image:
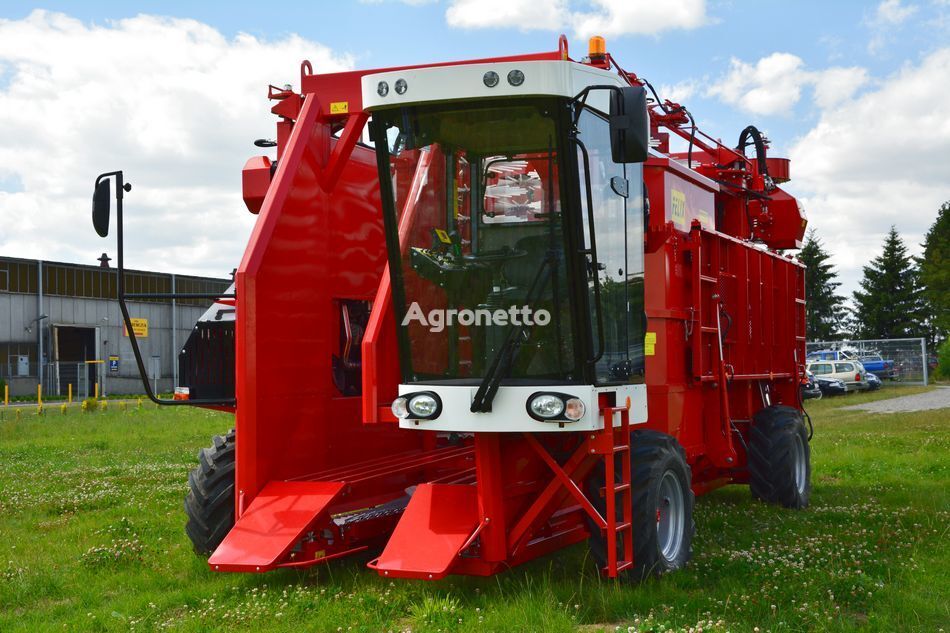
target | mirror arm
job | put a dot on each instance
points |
(122, 187)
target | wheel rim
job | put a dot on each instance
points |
(670, 516)
(800, 466)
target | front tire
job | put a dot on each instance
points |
(209, 504)
(780, 458)
(663, 499)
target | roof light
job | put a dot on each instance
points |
(597, 47)
(401, 86)
(516, 77)
(490, 78)
(382, 89)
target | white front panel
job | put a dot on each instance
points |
(465, 81)
(509, 413)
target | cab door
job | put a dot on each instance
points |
(611, 196)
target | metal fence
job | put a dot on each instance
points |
(909, 356)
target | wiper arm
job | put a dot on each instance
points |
(505, 358)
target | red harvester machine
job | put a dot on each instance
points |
(487, 313)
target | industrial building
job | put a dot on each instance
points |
(60, 325)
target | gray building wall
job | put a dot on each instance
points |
(20, 331)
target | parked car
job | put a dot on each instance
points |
(879, 366)
(872, 361)
(809, 387)
(831, 386)
(850, 372)
(874, 383)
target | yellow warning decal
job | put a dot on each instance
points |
(649, 344)
(339, 107)
(443, 236)
(678, 207)
(705, 220)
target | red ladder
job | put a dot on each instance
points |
(612, 489)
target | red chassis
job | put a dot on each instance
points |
(322, 473)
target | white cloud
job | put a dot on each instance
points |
(173, 102)
(773, 85)
(679, 92)
(877, 160)
(524, 15)
(639, 17)
(604, 17)
(893, 12)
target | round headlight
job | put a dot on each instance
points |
(423, 405)
(547, 406)
(575, 409)
(401, 86)
(516, 77)
(382, 89)
(400, 410)
(490, 78)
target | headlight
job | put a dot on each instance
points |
(555, 407)
(515, 77)
(382, 89)
(401, 86)
(490, 79)
(422, 405)
(547, 406)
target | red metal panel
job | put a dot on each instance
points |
(272, 524)
(435, 526)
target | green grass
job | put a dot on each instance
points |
(91, 518)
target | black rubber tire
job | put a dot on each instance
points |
(652, 455)
(209, 503)
(772, 455)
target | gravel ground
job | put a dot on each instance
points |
(939, 398)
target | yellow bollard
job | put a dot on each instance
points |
(97, 391)
(70, 394)
(39, 395)
(6, 395)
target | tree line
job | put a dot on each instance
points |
(900, 296)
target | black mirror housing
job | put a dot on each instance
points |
(629, 125)
(101, 206)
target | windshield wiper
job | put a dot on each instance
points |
(517, 335)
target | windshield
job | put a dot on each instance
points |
(477, 195)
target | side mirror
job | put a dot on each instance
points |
(629, 125)
(101, 206)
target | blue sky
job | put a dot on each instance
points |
(800, 71)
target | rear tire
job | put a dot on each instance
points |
(209, 504)
(660, 484)
(780, 458)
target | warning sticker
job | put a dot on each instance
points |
(443, 236)
(649, 344)
(678, 208)
(339, 107)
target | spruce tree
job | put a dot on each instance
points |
(934, 267)
(888, 304)
(824, 306)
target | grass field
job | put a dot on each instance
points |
(91, 522)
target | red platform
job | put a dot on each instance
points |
(272, 524)
(437, 523)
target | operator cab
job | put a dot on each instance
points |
(514, 221)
